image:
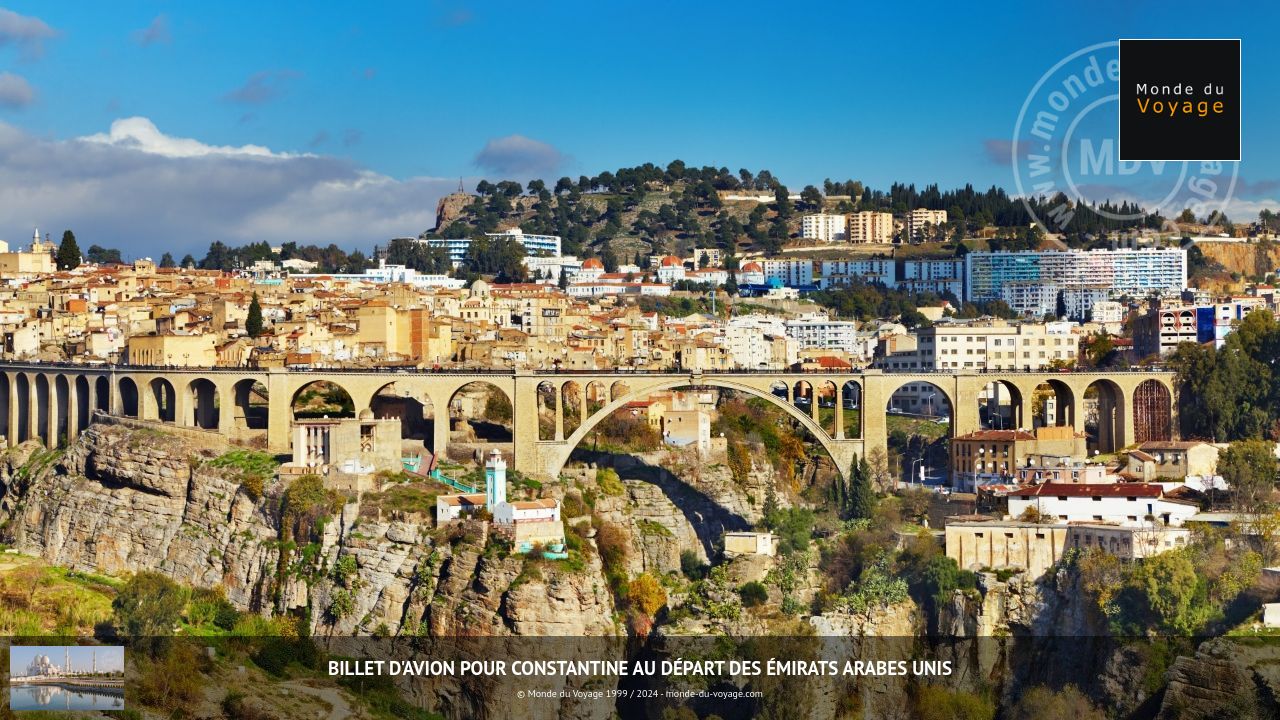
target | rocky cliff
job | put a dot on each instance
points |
(122, 500)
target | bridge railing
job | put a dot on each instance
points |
(507, 372)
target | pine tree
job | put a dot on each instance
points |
(862, 499)
(253, 323)
(68, 257)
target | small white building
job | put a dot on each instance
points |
(527, 522)
(454, 507)
(750, 543)
(1126, 504)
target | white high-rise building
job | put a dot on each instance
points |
(823, 227)
(1078, 273)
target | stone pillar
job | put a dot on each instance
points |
(1025, 411)
(227, 409)
(440, 425)
(51, 417)
(582, 405)
(279, 415)
(839, 411)
(148, 409)
(184, 405)
(33, 409)
(73, 411)
(528, 454)
(559, 411)
(875, 431)
(12, 380)
(964, 407)
(1125, 432)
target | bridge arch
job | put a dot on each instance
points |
(250, 415)
(493, 421)
(1108, 414)
(850, 410)
(102, 394)
(203, 404)
(41, 430)
(1152, 411)
(925, 398)
(321, 398)
(1000, 404)
(6, 400)
(1052, 402)
(411, 405)
(83, 403)
(61, 411)
(550, 421)
(163, 401)
(130, 398)
(644, 390)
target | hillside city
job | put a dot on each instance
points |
(860, 401)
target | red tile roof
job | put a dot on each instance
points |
(998, 435)
(1150, 490)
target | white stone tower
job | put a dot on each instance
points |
(495, 477)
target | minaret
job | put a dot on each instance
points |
(35, 241)
(95, 662)
(495, 477)
(66, 661)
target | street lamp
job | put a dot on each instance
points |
(910, 478)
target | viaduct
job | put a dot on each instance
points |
(54, 402)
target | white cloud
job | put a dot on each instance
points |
(15, 92)
(155, 33)
(139, 133)
(28, 33)
(145, 192)
(516, 156)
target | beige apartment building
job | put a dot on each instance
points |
(1035, 547)
(179, 350)
(993, 345)
(921, 224)
(870, 227)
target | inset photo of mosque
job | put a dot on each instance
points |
(66, 677)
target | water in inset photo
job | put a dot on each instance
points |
(66, 677)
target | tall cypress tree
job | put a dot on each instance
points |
(253, 323)
(862, 499)
(68, 257)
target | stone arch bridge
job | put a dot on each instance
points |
(54, 402)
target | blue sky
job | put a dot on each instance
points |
(392, 102)
(109, 657)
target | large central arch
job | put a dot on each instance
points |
(620, 400)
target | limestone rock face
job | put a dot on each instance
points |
(1223, 677)
(125, 501)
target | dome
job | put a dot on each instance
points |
(671, 261)
(752, 267)
(592, 264)
(366, 414)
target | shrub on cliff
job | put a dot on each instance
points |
(149, 604)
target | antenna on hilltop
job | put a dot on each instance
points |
(461, 190)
